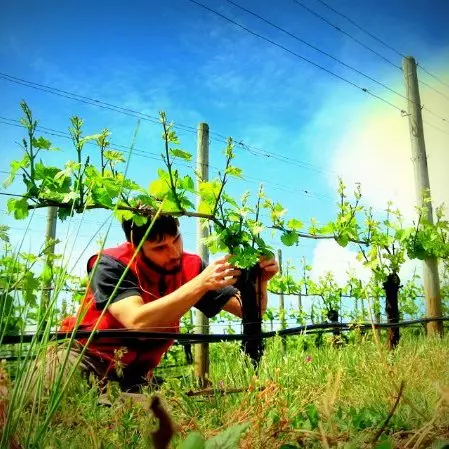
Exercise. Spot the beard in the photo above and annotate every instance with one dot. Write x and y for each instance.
(159, 268)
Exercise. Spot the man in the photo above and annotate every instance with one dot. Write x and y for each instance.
(159, 286)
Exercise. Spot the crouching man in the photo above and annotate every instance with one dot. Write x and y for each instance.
(163, 282)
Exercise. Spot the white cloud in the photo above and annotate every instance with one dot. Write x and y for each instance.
(375, 151)
(373, 147)
(331, 257)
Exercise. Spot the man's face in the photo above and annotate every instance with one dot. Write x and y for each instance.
(166, 253)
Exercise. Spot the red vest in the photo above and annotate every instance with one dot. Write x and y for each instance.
(148, 280)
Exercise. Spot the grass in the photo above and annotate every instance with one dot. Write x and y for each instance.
(304, 397)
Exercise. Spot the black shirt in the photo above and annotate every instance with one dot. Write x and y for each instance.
(110, 270)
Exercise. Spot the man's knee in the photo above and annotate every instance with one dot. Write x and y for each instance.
(56, 366)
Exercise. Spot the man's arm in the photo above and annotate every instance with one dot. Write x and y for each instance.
(269, 268)
(133, 313)
(234, 306)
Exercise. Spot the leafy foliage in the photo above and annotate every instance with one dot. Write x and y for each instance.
(80, 185)
(21, 288)
(234, 224)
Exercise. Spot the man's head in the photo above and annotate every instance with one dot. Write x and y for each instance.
(162, 248)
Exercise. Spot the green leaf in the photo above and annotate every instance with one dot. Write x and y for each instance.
(228, 199)
(29, 288)
(123, 215)
(206, 207)
(63, 174)
(171, 137)
(140, 220)
(187, 183)
(144, 200)
(64, 212)
(42, 144)
(255, 227)
(186, 203)
(163, 174)
(159, 188)
(228, 439)
(128, 184)
(4, 233)
(114, 156)
(244, 258)
(15, 167)
(9, 180)
(234, 171)
(18, 207)
(372, 264)
(289, 238)
(73, 166)
(89, 138)
(342, 240)
(209, 189)
(112, 187)
(213, 243)
(193, 441)
(102, 197)
(295, 224)
(176, 152)
(327, 229)
(41, 171)
(277, 211)
(169, 204)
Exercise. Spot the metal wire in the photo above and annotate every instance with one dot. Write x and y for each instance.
(126, 334)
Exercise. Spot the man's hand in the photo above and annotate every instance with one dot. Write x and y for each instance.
(269, 267)
(219, 274)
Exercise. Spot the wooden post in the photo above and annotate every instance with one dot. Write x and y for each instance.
(50, 236)
(281, 303)
(281, 295)
(422, 185)
(201, 321)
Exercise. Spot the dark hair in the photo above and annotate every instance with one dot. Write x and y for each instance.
(163, 225)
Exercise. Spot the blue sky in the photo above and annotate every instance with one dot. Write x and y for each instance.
(177, 57)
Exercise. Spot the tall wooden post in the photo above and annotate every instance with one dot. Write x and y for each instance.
(281, 295)
(50, 236)
(422, 185)
(201, 321)
(281, 303)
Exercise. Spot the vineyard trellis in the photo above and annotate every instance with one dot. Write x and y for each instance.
(234, 226)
